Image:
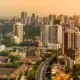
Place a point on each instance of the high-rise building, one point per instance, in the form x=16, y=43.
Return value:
x=75, y=18
x=68, y=40
x=51, y=18
x=18, y=30
x=29, y=20
x=37, y=20
x=55, y=34
x=24, y=17
x=61, y=18
x=71, y=24
x=77, y=47
x=77, y=40
x=55, y=17
x=51, y=34
x=78, y=21
x=45, y=21
x=44, y=35
x=66, y=19
x=33, y=18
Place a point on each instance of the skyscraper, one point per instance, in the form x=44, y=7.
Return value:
x=77, y=47
x=37, y=20
x=71, y=24
x=51, y=34
x=18, y=30
x=77, y=39
x=33, y=18
x=55, y=34
x=61, y=18
x=24, y=17
x=66, y=19
x=51, y=17
x=78, y=21
x=29, y=20
x=44, y=34
x=68, y=40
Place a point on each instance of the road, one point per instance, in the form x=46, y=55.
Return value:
x=41, y=72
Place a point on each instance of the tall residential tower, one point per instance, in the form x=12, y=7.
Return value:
x=23, y=17
x=18, y=31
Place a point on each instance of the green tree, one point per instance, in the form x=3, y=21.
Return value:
x=4, y=53
x=31, y=75
x=71, y=53
x=14, y=58
x=31, y=31
x=19, y=77
x=76, y=71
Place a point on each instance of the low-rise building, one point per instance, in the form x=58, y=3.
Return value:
x=21, y=54
x=2, y=48
x=2, y=59
x=12, y=73
x=53, y=46
x=31, y=59
x=15, y=40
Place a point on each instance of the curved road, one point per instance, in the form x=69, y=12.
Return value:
x=41, y=72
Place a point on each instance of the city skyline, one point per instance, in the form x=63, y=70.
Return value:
x=40, y=7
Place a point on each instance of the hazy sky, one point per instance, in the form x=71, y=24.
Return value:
x=40, y=7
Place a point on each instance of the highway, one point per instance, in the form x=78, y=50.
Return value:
x=41, y=71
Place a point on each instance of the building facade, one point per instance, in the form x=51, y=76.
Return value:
x=77, y=47
x=51, y=34
x=23, y=17
x=18, y=31
x=68, y=40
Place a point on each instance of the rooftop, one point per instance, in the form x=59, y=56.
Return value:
x=31, y=58
x=12, y=72
x=6, y=71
